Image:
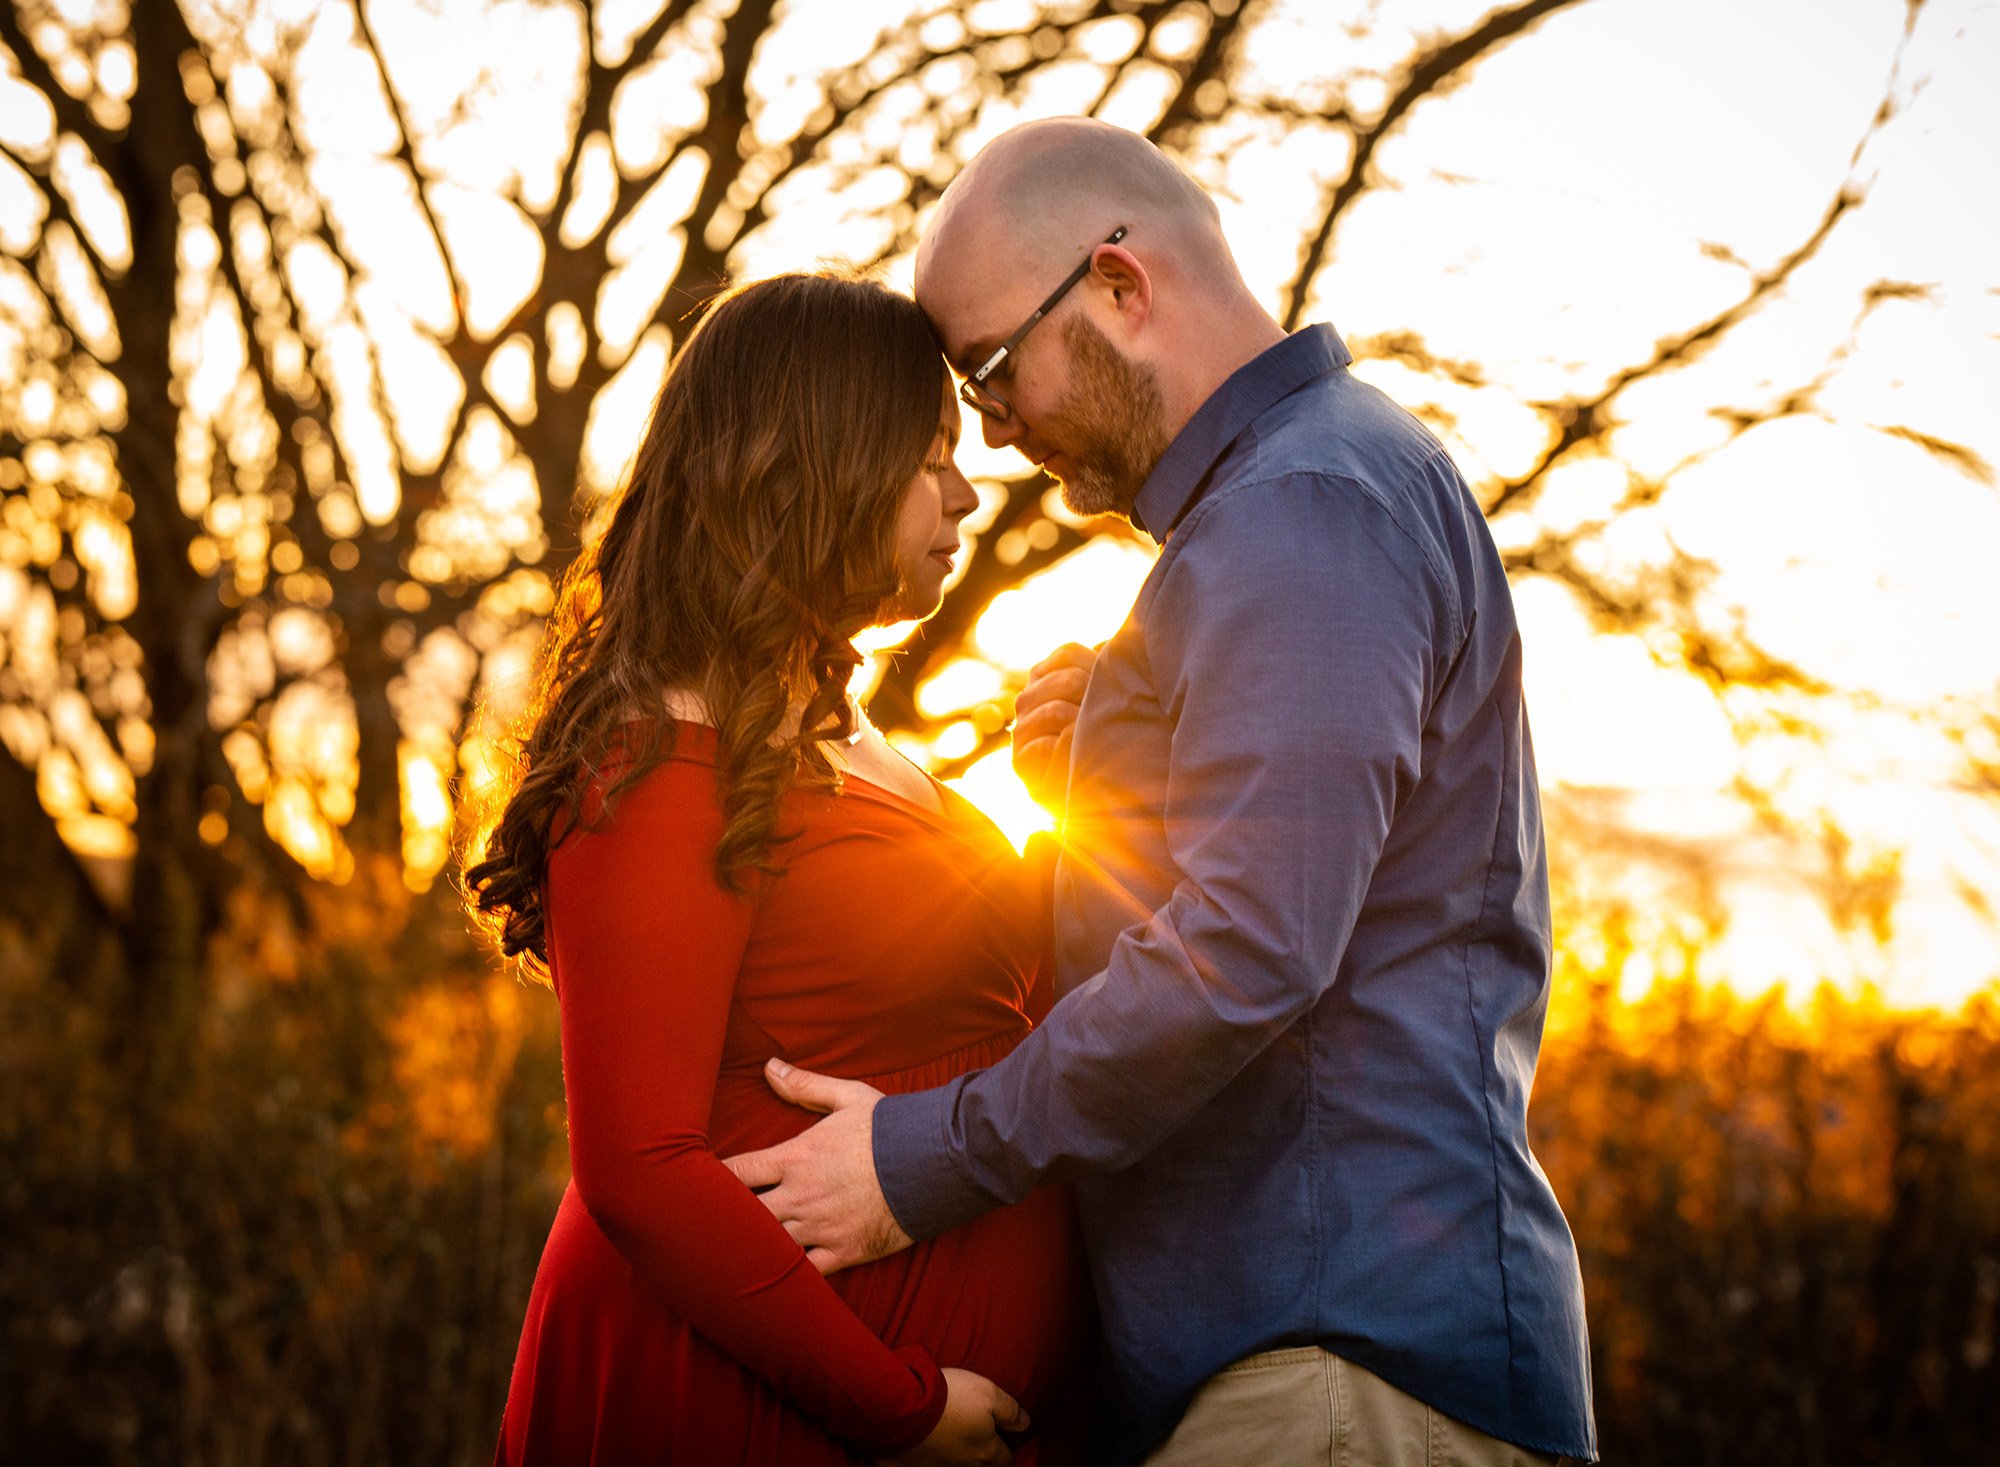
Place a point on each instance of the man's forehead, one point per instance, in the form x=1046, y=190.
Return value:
x=971, y=282
x=971, y=322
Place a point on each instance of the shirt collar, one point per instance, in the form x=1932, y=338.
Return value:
x=1260, y=383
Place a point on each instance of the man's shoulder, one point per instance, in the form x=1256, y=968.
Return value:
x=1292, y=525
x=1339, y=448
x=1330, y=464
x=1344, y=429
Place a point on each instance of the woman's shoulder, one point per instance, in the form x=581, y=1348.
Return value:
x=639, y=846
x=676, y=760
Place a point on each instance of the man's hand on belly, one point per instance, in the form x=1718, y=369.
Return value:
x=821, y=1184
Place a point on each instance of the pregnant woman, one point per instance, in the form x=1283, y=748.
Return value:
x=719, y=862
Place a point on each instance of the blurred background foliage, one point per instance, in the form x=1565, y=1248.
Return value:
x=317, y=1247
x=325, y=327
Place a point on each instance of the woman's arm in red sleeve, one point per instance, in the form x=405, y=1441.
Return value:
x=645, y=948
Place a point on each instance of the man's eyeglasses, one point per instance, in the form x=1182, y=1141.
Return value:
x=974, y=389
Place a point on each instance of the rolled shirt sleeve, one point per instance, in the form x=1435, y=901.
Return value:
x=1297, y=728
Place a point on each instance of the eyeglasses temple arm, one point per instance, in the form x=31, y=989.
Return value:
x=985, y=368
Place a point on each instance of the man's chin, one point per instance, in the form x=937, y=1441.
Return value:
x=1086, y=493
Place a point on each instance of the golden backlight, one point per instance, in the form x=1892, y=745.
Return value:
x=1750, y=248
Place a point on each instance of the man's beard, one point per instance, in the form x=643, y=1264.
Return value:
x=1114, y=416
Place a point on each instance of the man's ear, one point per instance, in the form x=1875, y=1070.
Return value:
x=1118, y=269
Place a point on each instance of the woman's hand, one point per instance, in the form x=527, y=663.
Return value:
x=1045, y=720
x=976, y=1411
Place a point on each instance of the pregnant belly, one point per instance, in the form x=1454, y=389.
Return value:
x=1007, y=1295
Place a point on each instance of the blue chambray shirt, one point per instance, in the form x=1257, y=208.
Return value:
x=1302, y=942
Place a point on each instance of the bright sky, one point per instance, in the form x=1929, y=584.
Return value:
x=1606, y=182
x=1639, y=132
x=1548, y=221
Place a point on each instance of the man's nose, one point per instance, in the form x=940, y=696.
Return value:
x=1000, y=432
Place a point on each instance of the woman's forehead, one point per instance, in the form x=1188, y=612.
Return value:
x=949, y=417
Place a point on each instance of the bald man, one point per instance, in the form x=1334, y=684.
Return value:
x=1302, y=907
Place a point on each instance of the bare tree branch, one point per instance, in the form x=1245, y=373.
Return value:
x=1578, y=421
x=1428, y=75
x=60, y=211
x=1208, y=64
x=407, y=156
x=599, y=87
x=72, y=115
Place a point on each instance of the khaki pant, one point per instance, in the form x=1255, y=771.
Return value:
x=1287, y=1408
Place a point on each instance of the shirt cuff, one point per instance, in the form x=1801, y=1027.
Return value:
x=922, y=1179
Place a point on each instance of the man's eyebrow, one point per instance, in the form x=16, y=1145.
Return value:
x=976, y=355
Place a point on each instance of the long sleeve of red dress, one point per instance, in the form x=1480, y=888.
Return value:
x=642, y=1040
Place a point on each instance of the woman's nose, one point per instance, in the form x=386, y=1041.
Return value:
x=960, y=498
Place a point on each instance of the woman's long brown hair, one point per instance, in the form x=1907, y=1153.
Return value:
x=755, y=535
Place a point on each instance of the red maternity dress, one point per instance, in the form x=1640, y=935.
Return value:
x=672, y=1319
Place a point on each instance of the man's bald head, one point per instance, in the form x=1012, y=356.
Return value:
x=1036, y=198
x=1149, y=326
